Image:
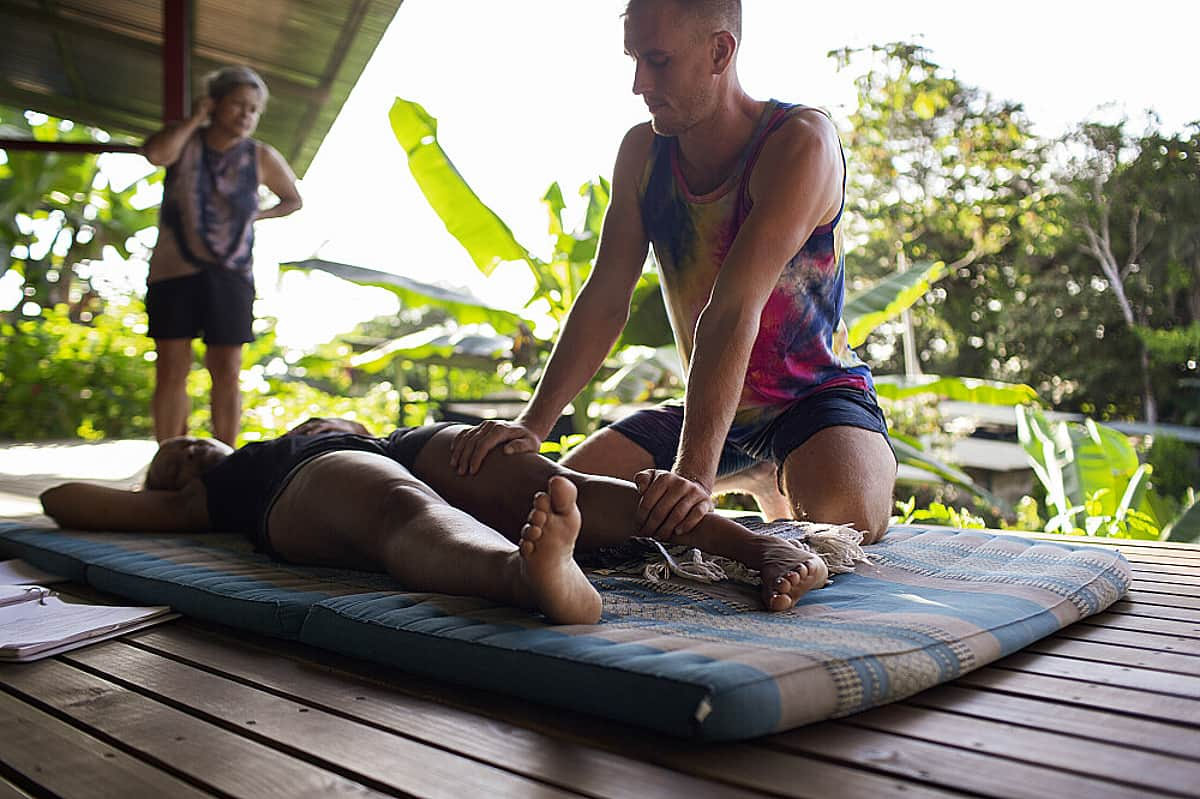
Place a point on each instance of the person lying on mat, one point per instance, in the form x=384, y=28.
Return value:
x=329, y=494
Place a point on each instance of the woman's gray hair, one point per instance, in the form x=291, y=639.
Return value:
x=224, y=80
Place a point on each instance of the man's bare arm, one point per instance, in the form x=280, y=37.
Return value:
x=796, y=187
x=593, y=324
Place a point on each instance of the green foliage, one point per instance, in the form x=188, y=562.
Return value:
x=941, y=171
x=63, y=379
x=938, y=514
x=490, y=242
x=557, y=450
x=57, y=211
x=887, y=298
x=1092, y=470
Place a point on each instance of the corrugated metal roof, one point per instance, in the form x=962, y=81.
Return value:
x=99, y=62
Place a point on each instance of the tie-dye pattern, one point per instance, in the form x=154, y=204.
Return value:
x=210, y=200
x=802, y=344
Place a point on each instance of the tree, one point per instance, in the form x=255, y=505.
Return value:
x=1133, y=205
x=58, y=211
x=941, y=171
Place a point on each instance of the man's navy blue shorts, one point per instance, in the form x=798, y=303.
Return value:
x=216, y=302
x=657, y=430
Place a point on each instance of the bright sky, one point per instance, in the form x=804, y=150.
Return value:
x=534, y=91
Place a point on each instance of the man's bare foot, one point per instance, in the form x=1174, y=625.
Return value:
x=559, y=588
x=787, y=572
x=761, y=482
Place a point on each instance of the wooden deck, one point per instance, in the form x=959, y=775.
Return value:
x=1109, y=707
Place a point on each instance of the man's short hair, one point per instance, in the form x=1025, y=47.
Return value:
x=722, y=15
x=224, y=80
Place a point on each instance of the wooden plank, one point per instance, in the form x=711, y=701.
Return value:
x=1159, y=568
x=10, y=791
x=1160, y=559
x=1154, y=611
x=1149, y=580
x=1133, y=638
x=360, y=751
x=1178, y=599
x=66, y=762
x=575, y=766
x=1125, y=621
x=1177, y=685
x=478, y=715
x=1079, y=722
x=1115, y=654
x=1121, y=543
x=1115, y=763
x=945, y=765
x=1159, y=707
x=211, y=756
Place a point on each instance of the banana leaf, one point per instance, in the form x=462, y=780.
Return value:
x=1186, y=527
x=965, y=389
x=910, y=452
x=866, y=310
x=1078, y=462
x=648, y=325
x=468, y=348
x=465, y=306
x=485, y=236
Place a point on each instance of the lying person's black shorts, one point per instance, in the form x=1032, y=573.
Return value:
x=242, y=488
x=217, y=303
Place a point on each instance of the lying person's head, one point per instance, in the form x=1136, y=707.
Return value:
x=179, y=460
x=322, y=424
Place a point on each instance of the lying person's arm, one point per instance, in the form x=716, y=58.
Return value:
x=84, y=506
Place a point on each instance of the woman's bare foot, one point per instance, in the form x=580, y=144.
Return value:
x=787, y=572
x=559, y=588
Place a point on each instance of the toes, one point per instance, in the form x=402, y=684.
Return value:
x=562, y=494
x=531, y=532
x=526, y=547
x=779, y=602
x=538, y=518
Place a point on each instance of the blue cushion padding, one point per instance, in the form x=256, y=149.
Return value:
x=677, y=657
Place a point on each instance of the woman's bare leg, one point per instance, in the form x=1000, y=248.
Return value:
x=499, y=497
x=365, y=511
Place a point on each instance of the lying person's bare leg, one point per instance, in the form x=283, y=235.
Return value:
x=365, y=511
x=498, y=496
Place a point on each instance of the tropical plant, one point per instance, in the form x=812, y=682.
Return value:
x=1090, y=471
x=58, y=212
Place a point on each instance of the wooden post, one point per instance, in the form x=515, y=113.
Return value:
x=176, y=63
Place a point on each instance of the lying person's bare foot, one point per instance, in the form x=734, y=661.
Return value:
x=559, y=588
x=788, y=571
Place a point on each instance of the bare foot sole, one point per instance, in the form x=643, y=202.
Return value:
x=788, y=572
x=559, y=588
x=760, y=481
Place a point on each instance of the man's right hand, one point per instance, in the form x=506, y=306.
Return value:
x=472, y=445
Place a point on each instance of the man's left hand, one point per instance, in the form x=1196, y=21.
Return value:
x=670, y=504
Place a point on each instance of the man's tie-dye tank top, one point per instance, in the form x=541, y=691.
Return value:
x=802, y=343
x=210, y=200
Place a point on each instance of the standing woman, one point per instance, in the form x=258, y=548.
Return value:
x=201, y=273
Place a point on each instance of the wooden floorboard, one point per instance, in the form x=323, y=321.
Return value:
x=942, y=764
x=186, y=745
x=67, y=762
x=1108, y=707
x=347, y=745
